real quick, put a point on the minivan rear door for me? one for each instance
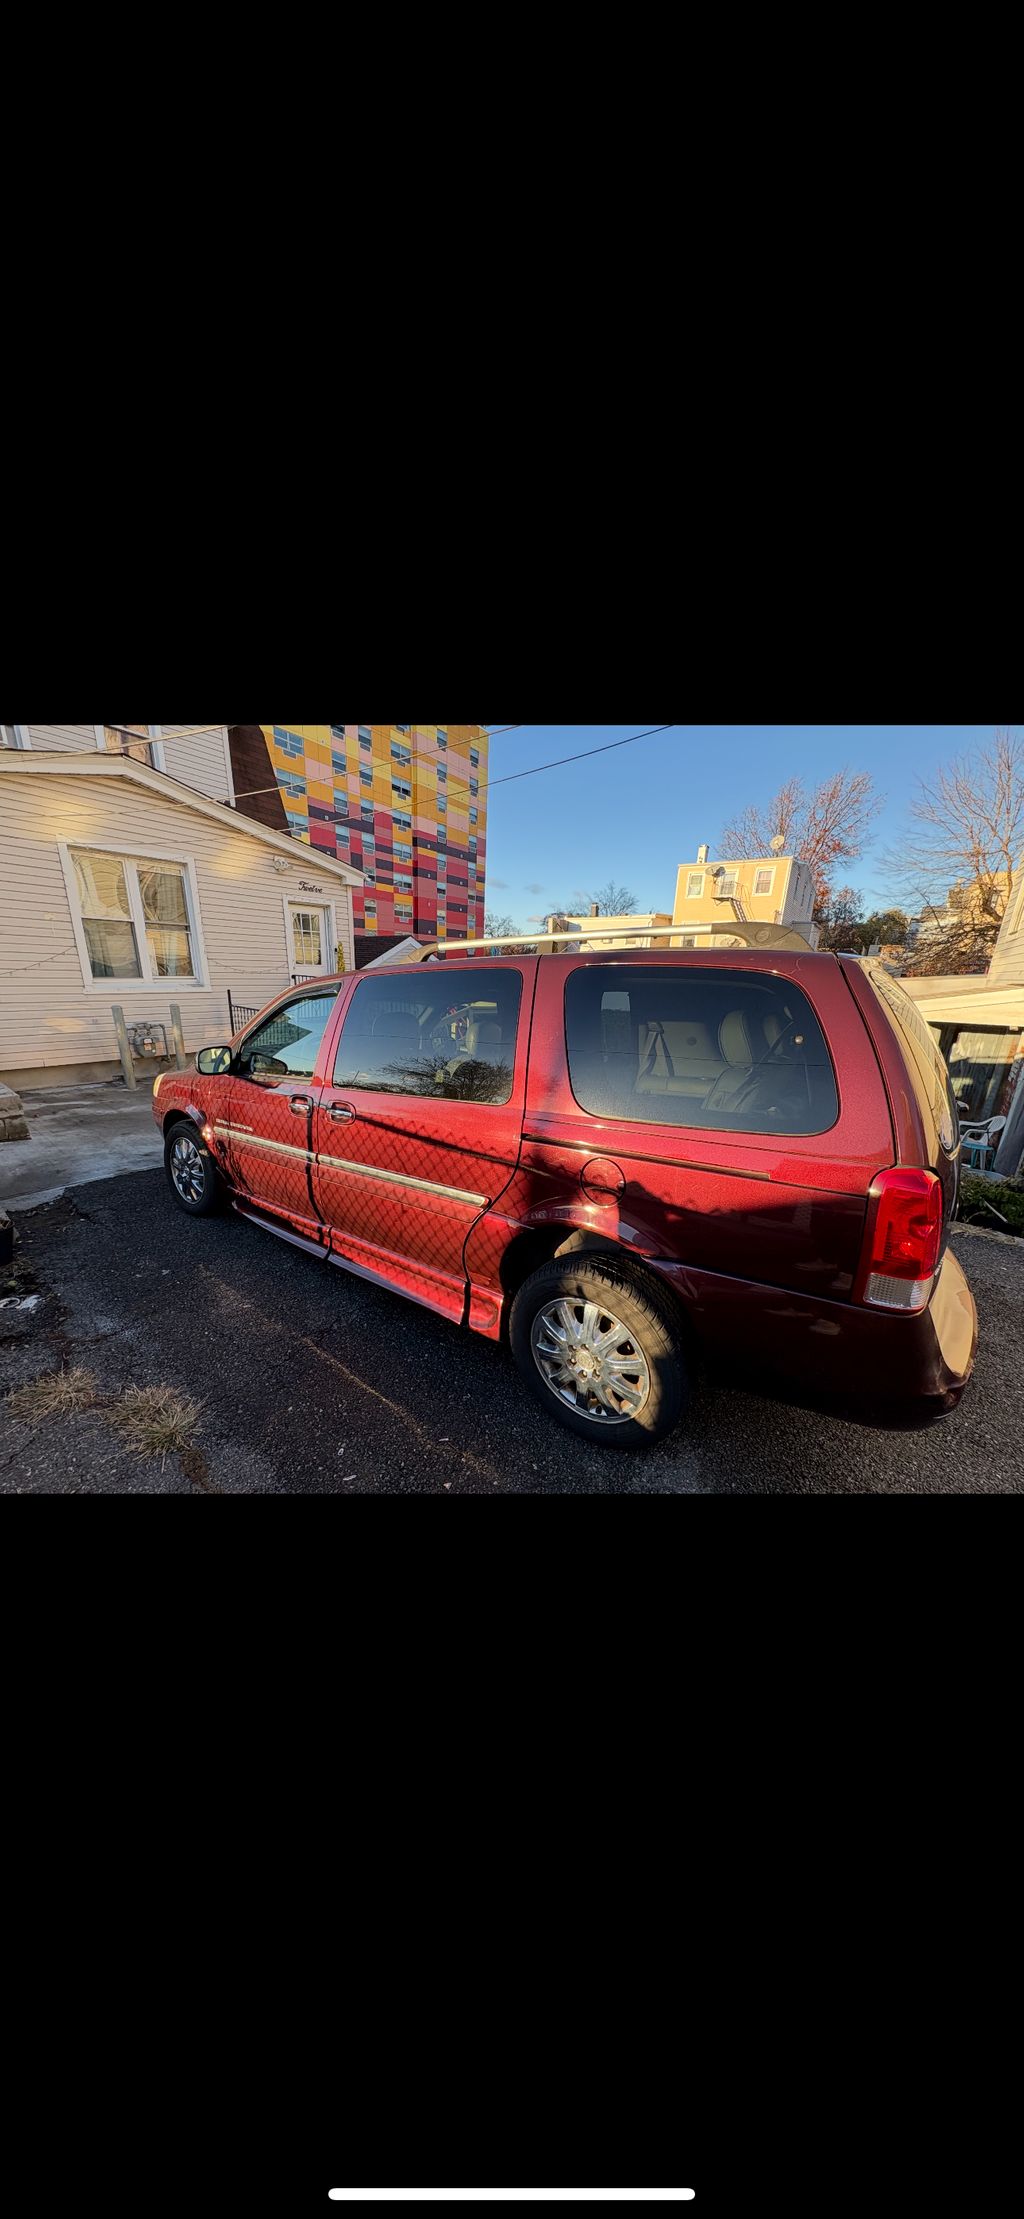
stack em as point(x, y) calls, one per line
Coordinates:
point(924, 1108)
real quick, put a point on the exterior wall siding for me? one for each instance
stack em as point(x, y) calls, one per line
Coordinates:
point(48, 1017)
point(202, 760)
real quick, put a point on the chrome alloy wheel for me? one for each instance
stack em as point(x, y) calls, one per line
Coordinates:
point(590, 1360)
point(188, 1169)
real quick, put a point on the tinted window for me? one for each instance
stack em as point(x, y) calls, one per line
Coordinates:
point(720, 1049)
point(288, 1044)
point(927, 1066)
point(445, 1036)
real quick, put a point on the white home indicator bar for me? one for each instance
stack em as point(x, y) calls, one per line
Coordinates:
point(512, 2195)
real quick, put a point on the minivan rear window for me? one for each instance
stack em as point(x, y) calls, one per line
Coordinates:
point(727, 1050)
point(928, 1064)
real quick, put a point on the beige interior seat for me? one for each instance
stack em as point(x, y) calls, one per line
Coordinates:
point(677, 1057)
point(484, 1039)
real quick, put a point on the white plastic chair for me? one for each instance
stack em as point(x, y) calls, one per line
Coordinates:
point(979, 1138)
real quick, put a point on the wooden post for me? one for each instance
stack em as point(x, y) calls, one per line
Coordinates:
point(127, 1059)
point(179, 1037)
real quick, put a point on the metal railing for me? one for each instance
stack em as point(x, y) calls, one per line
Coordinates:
point(240, 1013)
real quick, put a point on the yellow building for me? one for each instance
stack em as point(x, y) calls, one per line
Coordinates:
point(754, 890)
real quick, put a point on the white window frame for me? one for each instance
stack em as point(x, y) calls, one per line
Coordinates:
point(155, 733)
point(764, 893)
point(728, 886)
point(690, 895)
point(21, 737)
point(151, 980)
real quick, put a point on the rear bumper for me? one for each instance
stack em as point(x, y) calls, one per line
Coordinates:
point(838, 1348)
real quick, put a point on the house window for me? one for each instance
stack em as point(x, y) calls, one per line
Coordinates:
point(13, 735)
point(130, 739)
point(726, 885)
point(694, 885)
point(136, 918)
point(764, 879)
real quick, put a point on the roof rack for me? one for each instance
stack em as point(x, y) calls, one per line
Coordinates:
point(571, 943)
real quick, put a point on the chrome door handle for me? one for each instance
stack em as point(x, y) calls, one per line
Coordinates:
point(342, 1114)
point(299, 1104)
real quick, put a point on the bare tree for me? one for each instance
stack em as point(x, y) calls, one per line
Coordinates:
point(826, 827)
point(611, 900)
point(500, 928)
point(962, 857)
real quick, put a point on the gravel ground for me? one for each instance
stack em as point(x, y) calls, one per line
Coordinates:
point(316, 1383)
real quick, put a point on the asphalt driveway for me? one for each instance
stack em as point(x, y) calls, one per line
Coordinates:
point(316, 1383)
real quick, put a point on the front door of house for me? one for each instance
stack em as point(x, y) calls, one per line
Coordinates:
point(310, 938)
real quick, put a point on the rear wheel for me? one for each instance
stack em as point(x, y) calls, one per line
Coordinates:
point(195, 1183)
point(600, 1350)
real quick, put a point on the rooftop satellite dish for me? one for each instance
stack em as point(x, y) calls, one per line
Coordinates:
point(778, 843)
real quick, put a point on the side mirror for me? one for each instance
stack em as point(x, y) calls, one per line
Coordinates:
point(213, 1063)
point(262, 1066)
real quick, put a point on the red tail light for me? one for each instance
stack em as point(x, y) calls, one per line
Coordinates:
point(903, 1240)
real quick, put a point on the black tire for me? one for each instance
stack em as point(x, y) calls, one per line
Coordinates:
point(193, 1161)
point(650, 1332)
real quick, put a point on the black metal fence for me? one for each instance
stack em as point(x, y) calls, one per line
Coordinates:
point(240, 1013)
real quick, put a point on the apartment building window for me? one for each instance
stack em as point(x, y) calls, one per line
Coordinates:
point(403, 882)
point(134, 919)
point(474, 757)
point(369, 872)
point(403, 728)
point(403, 852)
point(764, 880)
point(369, 843)
point(135, 740)
point(442, 740)
point(442, 774)
point(365, 735)
point(474, 785)
point(442, 836)
point(338, 762)
point(366, 812)
point(13, 735)
point(400, 754)
point(290, 784)
point(402, 789)
point(365, 774)
point(402, 817)
point(341, 805)
point(288, 742)
point(472, 843)
point(473, 815)
point(442, 805)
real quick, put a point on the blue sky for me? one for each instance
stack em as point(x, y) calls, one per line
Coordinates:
point(636, 814)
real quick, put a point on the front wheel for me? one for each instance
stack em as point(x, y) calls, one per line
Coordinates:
point(600, 1350)
point(191, 1170)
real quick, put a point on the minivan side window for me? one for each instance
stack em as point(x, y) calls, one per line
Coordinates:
point(729, 1051)
point(287, 1044)
point(439, 1035)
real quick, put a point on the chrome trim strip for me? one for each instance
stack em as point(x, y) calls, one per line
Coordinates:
point(358, 1170)
point(399, 1179)
point(253, 1140)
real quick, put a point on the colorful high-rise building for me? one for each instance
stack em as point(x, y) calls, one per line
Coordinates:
point(406, 804)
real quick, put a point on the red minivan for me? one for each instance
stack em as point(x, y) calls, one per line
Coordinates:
point(621, 1159)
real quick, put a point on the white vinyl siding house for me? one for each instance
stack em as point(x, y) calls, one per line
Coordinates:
point(198, 758)
point(120, 885)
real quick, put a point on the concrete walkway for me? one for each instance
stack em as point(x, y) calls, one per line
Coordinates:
point(79, 1133)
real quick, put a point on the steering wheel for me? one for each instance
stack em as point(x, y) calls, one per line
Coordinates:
point(748, 1084)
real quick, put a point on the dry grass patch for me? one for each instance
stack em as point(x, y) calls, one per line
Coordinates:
point(57, 1395)
point(156, 1421)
